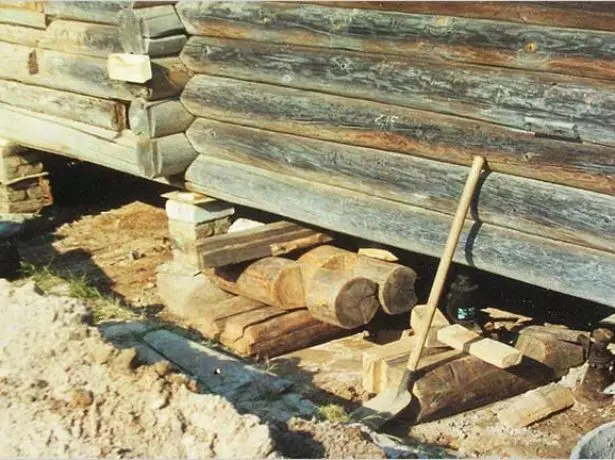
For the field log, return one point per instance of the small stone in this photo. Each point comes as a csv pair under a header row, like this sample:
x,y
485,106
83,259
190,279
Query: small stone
x,y
162,368
125,362
81,398
102,353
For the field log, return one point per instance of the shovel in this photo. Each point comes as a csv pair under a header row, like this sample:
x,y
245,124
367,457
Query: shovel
x,y
390,402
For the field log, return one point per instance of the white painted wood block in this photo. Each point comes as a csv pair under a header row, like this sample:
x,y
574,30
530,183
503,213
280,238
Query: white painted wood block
x,y
198,213
134,68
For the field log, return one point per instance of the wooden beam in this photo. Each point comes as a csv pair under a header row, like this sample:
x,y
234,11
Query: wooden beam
x,y
104,12
156,21
22,5
488,42
81,38
158,118
491,351
86,74
103,113
566,268
502,96
256,243
164,156
558,212
21,35
400,129
23,17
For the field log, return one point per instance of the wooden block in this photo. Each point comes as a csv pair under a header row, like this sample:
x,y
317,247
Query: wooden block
x,y
372,360
273,239
536,405
376,253
491,351
198,213
156,21
439,321
129,67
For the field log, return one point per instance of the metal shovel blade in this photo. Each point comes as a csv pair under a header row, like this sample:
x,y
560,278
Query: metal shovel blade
x,y
386,406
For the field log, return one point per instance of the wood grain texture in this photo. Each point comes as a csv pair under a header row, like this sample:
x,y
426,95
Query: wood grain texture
x,y
540,261
503,96
86,74
559,212
488,42
21,35
579,15
158,118
389,127
81,38
156,21
104,12
164,156
103,113
23,17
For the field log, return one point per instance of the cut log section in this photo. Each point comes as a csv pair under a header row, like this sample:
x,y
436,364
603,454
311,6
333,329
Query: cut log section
x,y
159,118
273,239
158,21
129,67
491,351
272,280
339,298
164,156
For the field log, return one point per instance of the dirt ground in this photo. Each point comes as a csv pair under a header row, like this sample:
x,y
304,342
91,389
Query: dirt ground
x,y
82,396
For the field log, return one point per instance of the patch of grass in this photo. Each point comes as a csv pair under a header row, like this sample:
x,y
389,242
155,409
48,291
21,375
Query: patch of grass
x,y
44,277
333,413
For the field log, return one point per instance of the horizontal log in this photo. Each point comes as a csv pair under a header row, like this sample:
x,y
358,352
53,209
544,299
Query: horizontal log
x,y
501,43
580,15
503,96
164,156
539,208
158,118
103,113
23,17
157,21
86,74
387,127
21,35
21,5
49,134
82,38
540,261
104,12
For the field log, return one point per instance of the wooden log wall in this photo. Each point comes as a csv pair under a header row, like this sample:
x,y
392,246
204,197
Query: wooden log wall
x,y
362,117
55,74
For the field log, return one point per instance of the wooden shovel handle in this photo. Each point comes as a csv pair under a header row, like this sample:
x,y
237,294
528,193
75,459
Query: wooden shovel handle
x,y
445,261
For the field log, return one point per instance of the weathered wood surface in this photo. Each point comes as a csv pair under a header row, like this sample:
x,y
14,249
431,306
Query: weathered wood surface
x,y
580,15
164,156
157,21
81,38
23,17
388,127
158,118
272,280
372,358
104,12
134,68
255,243
417,319
488,42
566,268
504,96
559,212
103,113
536,405
153,47
21,35
22,5
86,74
48,134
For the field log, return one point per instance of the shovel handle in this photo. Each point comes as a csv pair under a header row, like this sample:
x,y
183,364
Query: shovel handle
x,y
445,261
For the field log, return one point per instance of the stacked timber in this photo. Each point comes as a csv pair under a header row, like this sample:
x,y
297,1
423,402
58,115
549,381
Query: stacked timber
x,y
366,123
57,94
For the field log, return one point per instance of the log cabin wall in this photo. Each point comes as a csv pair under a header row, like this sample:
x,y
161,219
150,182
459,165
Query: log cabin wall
x,y
363,117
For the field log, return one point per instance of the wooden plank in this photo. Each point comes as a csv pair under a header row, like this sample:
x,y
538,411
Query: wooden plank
x,y
104,12
400,129
488,42
20,35
86,74
103,113
491,351
23,17
536,405
81,38
503,96
235,326
580,15
45,133
157,21
566,268
159,118
256,243
559,212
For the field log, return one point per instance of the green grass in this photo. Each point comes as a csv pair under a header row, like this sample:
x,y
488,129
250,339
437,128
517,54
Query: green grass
x,y
333,413
104,306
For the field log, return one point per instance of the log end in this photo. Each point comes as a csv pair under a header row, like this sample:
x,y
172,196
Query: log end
x,y
289,288
396,294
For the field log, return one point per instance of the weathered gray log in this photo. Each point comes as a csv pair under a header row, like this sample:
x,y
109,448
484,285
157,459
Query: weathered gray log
x,y
580,15
387,127
531,206
23,17
164,156
86,74
503,96
502,43
104,12
157,21
82,38
22,5
21,35
104,113
50,134
158,118
561,267
153,47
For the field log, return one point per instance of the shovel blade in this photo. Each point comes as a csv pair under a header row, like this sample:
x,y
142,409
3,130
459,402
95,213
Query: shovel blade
x,y
384,407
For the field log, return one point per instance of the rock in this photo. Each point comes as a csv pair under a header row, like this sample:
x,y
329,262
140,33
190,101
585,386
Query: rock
x,y
120,331
81,398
